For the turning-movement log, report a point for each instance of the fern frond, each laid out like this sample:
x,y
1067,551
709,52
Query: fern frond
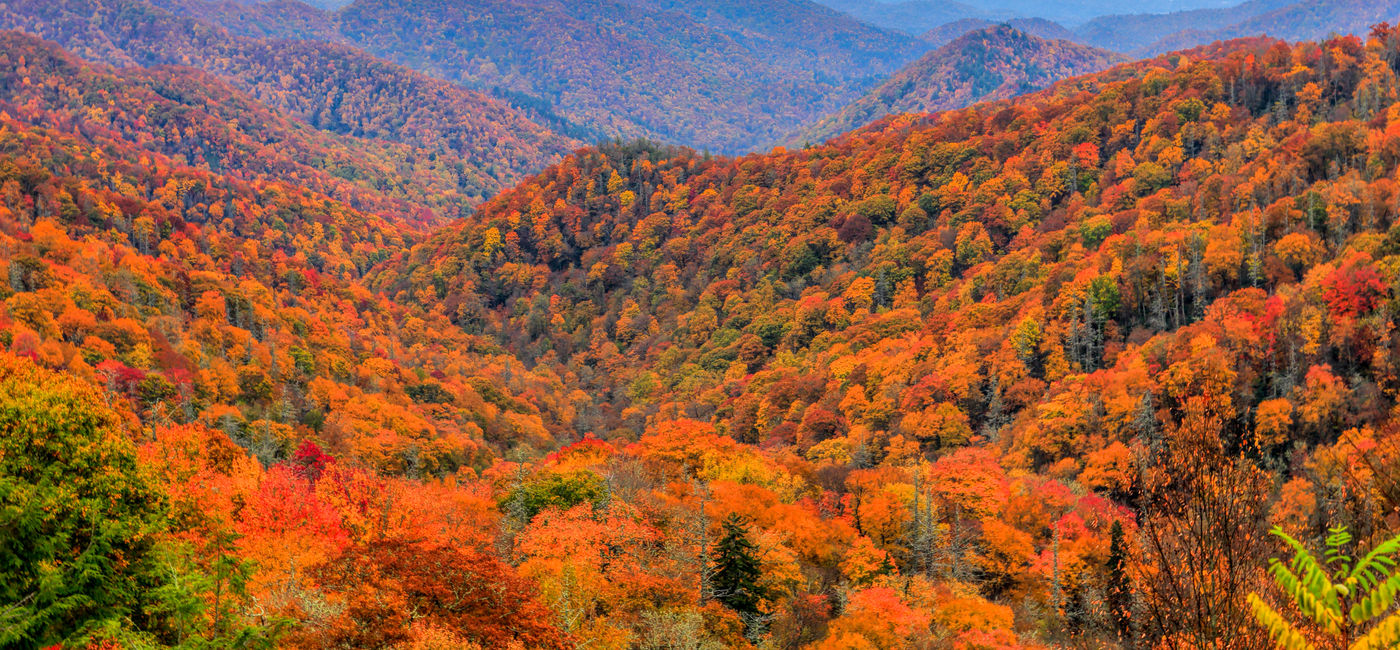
x,y
1312,593
1384,636
1281,632
1377,564
1337,539
1377,601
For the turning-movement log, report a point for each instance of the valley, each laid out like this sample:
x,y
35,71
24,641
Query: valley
x,y
658,324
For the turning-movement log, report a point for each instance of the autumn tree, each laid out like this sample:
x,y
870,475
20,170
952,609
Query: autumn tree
x,y
555,490
387,586
1202,530
1119,599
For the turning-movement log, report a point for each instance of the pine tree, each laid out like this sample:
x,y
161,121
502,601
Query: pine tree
x,y
78,519
736,569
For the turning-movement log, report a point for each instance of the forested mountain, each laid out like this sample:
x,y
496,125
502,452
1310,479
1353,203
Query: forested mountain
x,y
993,63
986,339
1079,11
729,75
1038,372
1131,32
482,142
920,16
292,19
1149,34
1308,20
191,262
229,237
1040,27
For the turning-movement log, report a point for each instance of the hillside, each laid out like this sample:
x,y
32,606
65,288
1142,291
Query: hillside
x,y
1050,299
184,294
727,75
1041,372
333,87
1133,32
203,122
214,204
1078,12
734,79
182,314
983,65
1148,34
921,16
275,19
1309,20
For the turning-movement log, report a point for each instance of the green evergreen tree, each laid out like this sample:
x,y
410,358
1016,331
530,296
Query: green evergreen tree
x,y
83,555
78,520
736,569
205,593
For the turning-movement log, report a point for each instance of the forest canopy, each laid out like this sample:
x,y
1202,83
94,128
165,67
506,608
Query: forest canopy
x,y
1041,372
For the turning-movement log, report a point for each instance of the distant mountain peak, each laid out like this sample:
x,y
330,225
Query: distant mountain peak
x,y
993,62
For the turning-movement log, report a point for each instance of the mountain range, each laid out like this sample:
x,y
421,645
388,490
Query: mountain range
x,y
330,86
1146,34
728,75
993,63
365,328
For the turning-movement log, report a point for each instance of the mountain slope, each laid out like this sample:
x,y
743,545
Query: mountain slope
x,y
722,74
920,16
1040,372
165,231
1085,10
1167,290
782,32
211,125
189,264
276,19
1308,20
333,87
723,82
1150,34
988,64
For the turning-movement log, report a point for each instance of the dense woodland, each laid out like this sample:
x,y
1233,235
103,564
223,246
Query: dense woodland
x,y
478,144
1037,373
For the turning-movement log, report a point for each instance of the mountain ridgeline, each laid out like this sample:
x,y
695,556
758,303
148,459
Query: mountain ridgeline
x,y
728,75
1149,34
332,87
1049,30
983,65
